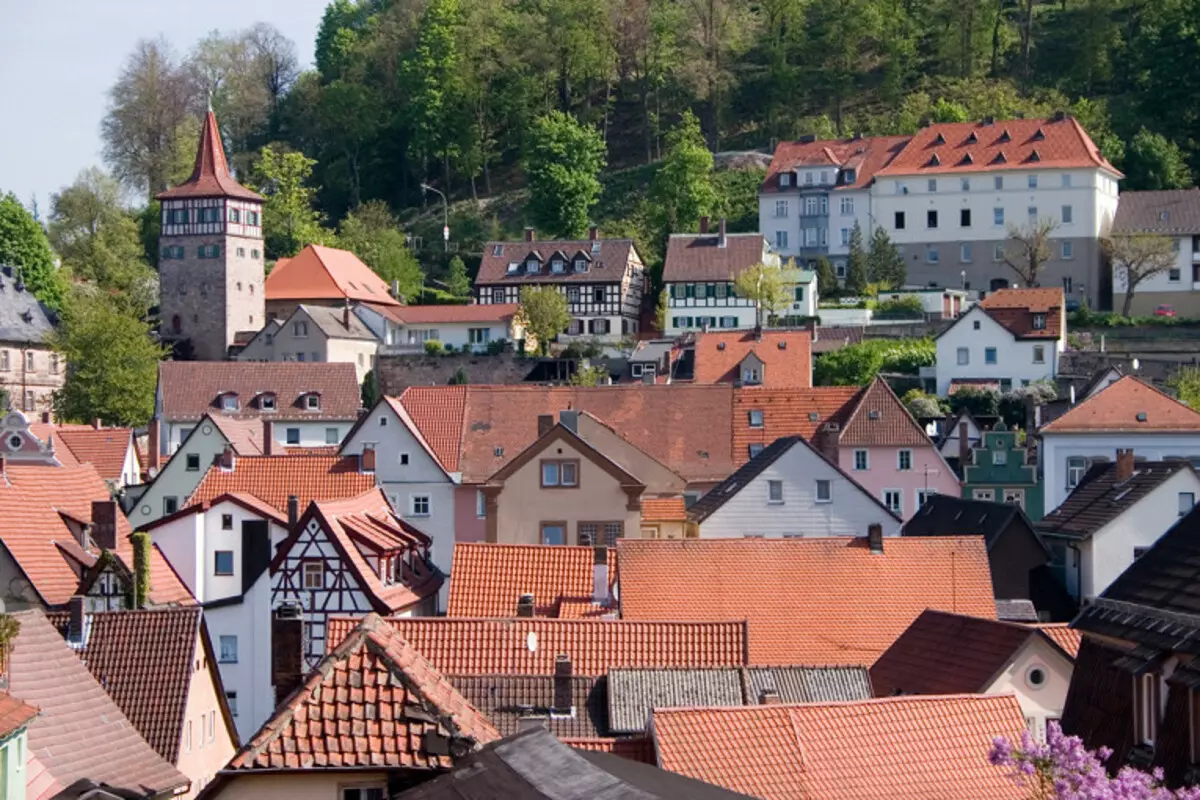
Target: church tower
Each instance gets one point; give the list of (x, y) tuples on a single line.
[(210, 268)]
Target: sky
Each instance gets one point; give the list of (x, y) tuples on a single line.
[(59, 58)]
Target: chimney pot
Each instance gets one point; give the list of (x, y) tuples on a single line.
[(562, 685), (1124, 464), (545, 423), (525, 605), (704, 224), (154, 445), (875, 538), (366, 461), (293, 511), (104, 524), (600, 575), (76, 621), (593, 233), (97, 423), (45, 417), (268, 434), (964, 445), (530, 235)]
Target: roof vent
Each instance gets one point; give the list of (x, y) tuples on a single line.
[(720, 345), (498, 452), (966, 159), (1000, 159), (939, 139), (874, 414), (933, 161), (813, 416), (783, 345), (1141, 416), (972, 138)]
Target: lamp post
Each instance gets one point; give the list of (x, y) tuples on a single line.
[(963, 274), (425, 187)]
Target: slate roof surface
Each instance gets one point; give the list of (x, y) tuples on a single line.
[(866, 156), (76, 714), (1116, 408), (14, 714), (191, 389), (867, 750), (272, 479), (1015, 310), (210, 176), (450, 313), (607, 265), (786, 412), (326, 273), (835, 337), (332, 322), (505, 699), (105, 448), (1100, 498), (943, 515), (699, 257), (22, 317), (813, 601), (1172, 212), (369, 703), (502, 646), (490, 578), (786, 357)]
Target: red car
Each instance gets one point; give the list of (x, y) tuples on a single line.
[(1164, 311)]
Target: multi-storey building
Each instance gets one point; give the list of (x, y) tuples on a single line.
[(949, 197), (1174, 214), (30, 370), (210, 267), (603, 280)]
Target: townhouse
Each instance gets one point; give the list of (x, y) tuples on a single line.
[(323, 276), (1174, 214), (30, 369), (1000, 470), (603, 280), (474, 328), (316, 333)]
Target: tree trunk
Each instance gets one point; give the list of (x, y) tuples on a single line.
[(1128, 304)]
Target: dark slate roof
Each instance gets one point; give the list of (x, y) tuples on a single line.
[(632, 693), (1174, 211), (1016, 610), (506, 699), (22, 317), (944, 515), (533, 765), (1100, 498)]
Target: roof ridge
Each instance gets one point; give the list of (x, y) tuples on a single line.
[(914, 699)]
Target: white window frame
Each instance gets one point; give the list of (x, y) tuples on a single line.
[(1077, 466), (898, 507), (781, 208), (866, 460), (983, 494), (230, 655), (416, 501), (964, 356), (307, 574), (775, 492), (827, 484), (480, 504), (1039, 354)]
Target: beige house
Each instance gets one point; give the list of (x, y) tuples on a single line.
[(316, 333), (579, 483), (30, 371)]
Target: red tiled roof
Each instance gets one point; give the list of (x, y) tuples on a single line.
[(245, 435), (786, 357), (372, 702), (210, 176), (272, 479), (80, 732), (686, 428), (934, 748), (790, 412), (14, 714), (416, 315), (1063, 635), (1016, 308), (948, 147), (191, 389), (1118, 406), (608, 265), (105, 449), (698, 257), (326, 273), (489, 578), (817, 601), (865, 156), (506, 647), (635, 748), (877, 418), (664, 509)]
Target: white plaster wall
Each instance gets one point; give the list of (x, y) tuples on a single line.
[(1037, 703), (1056, 448), (1162, 281), (1014, 357), (174, 479), (250, 677)]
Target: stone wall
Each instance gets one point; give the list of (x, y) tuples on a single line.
[(398, 372)]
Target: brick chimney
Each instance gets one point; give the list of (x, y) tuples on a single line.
[(75, 620), (97, 423), (366, 461), (104, 524), (346, 315), (293, 511), (562, 686), (268, 442), (704, 224), (600, 575), (525, 605), (721, 233), (593, 233), (154, 445), (875, 538), (287, 650), (1124, 464), (769, 697), (530, 235), (964, 445), (226, 459), (545, 423)]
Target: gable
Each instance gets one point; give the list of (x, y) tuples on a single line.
[(559, 444), (391, 440), (963, 332)]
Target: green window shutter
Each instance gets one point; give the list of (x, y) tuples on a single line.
[(710, 290), (799, 294), (200, 252), (691, 290)]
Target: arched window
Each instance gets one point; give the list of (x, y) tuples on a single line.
[(176, 324)]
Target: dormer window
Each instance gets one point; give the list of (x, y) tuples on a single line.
[(751, 375), (1039, 322), (229, 402), (266, 402), (848, 176), (581, 264), (1004, 137), (557, 266), (972, 138), (312, 402), (498, 250), (532, 265), (939, 139), (785, 179)]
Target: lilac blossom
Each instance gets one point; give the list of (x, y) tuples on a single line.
[(1061, 768)]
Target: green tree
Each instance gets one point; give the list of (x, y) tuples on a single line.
[(827, 282), (374, 235), (369, 392), (290, 221), (563, 160), (112, 364), (588, 376), (661, 311), (885, 265), (1137, 257), (1185, 383), (682, 190), (765, 284), (859, 364), (857, 268), (24, 246), (430, 76), (1154, 162), (920, 404), (458, 283), (543, 314)]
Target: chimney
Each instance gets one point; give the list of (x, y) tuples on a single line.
[(964, 445), (721, 233), (3, 464), (45, 417), (104, 524), (75, 622), (525, 605), (226, 459), (875, 538), (530, 235), (758, 333), (704, 224), (593, 233), (346, 315), (545, 423), (268, 442), (562, 686), (1124, 464), (396, 289), (769, 697), (569, 420), (287, 648), (154, 445), (366, 461), (97, 424), (293, 511), (600, 575)]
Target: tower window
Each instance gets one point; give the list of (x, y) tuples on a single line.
[(235, 215)]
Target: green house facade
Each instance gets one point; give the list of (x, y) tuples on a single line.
[(998, 471)]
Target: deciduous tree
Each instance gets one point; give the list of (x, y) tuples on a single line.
[(563, 160), (24, 246), (682, 190), (458, 283), (765, 284), (1154, 162), (374, 235), (544, 314), (290, 220), (1138, 257), (1029, 248)]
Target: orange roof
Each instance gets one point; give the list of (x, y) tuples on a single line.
[(816, 601), (865, 156), (966, 147), (877, 418), (438, 415), (790, 412), (326, 273), (529, 646), (1015, 309), (416, 315), (273, 479), (1063, 635), (635, 748), (245, 434), (15, 715), (489, 578), (664, 509), (786, 357), (210, 176), (935, 748), (103, 448), (1127, 405)]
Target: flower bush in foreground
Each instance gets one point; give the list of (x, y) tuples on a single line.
[(1061, 768)]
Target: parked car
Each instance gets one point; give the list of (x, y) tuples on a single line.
[(1164, 310)]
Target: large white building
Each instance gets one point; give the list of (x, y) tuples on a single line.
[(1176, 215), (948, 197)]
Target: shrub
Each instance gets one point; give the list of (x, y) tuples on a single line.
[(433, 347), (979, 402), (497, 346), (900, 306), (858, 364), (920, 404)]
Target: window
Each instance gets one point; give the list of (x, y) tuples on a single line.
[(966, 184), (989, 355), (1068, 249), (964, 356), (998, 253), (314, 574), (193, 462), (781, 240), (480, 504), (1015, 497), (572, 294), (845, 237), (1076, 466), (1145, 708), (560, 473), (860, 460), (1033, 181), (839, 269), (1066, 180), (1068, 215), (312, 402), (808, 178), (983, 494), (228, 649), (557, 266), (231, 701), (170, 505), (1173, 275), (532, 265), (292, 436), (479, 335), (229, 402), (300, 329), (931, 219), (418, 505), (364, 793), (964, 253), (923, 495), (554, 533), (1186, 501), (756, 418), (1039, 322), (899, 221), (754, 449), (894, 500), (750, 375), (785, 179), (931, 255), (227, 522), (235, 215), (998, 182), (999, 457), (223, 562), (1032, 212), (4, 365), (975, 324), (824, 491), (933, 184), (775, 491), (781, 208), (964, 217), (904, 460), (728, 322), (847, 206), (598, 294), (29, 364), (30, 400), (997, 216), (497, 295)]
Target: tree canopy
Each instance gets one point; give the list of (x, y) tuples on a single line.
[(544, 314), (24, 246), (562, 164)]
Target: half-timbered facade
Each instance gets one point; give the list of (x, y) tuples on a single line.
[(349, 558), (603, 280)]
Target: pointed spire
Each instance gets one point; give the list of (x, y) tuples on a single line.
[(210, 176)]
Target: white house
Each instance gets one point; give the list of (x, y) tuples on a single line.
[(1116, 513), (316, 333), (406, 329), (790, 490), (1013, 337), (1175, 214), (1128, 414)]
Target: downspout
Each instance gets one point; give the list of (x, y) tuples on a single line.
[(1078, 571)]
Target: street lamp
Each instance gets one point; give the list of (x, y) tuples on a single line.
[(963, 274), (425, 187)]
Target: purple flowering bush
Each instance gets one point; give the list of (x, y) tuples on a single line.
[(1061, 768)]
